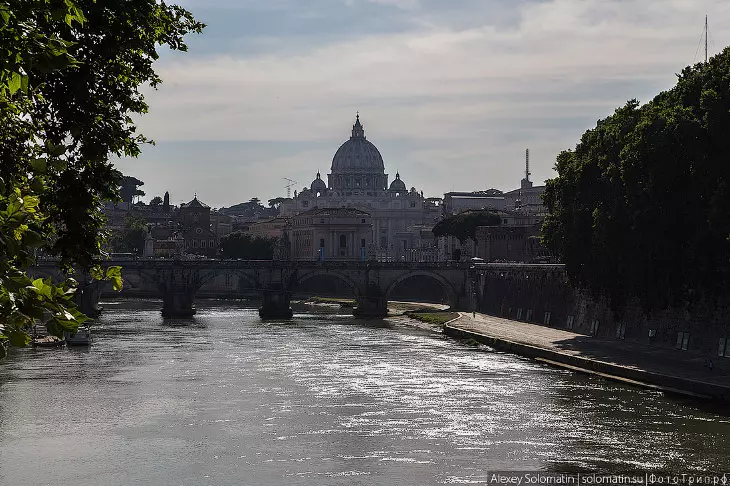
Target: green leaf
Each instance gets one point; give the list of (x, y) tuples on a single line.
[(18, 338), (114, 274), (54, 327), (4, 15), (15, 82), (96, 272), (43, 288), (39, 165)]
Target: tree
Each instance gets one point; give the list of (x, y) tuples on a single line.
[(69, 83), (166, 202), (276, 202), (248, 247), (641, 206), (132, 237), (156, 201), (464, 225)]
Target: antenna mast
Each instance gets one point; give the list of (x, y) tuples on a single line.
[(527, 164), (289, 186), (706, 32)]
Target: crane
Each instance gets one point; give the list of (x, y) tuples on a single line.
[(291, 184)]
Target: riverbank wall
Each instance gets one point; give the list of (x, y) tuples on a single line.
[(540, 294)]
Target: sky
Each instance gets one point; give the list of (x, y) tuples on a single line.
[(451, 92)]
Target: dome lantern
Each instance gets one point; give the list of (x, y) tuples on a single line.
[(357, 156)]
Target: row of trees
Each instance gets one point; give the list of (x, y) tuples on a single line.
[(641, 206), (69, 83), (464, 225), (248, 247)]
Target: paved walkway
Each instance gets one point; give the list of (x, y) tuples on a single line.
[(640, 357)]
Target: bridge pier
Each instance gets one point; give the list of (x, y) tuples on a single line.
[(276, 305), (371, 304), (87, 298), (178, 300)]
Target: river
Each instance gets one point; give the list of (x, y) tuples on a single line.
[(226, 399)]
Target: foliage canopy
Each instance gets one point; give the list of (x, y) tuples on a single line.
[(248, 247), (464, 225), (70, 73), (641, 206)]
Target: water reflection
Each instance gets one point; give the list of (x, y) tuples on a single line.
[(225, 398)]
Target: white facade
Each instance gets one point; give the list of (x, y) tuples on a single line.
[(330, 234)]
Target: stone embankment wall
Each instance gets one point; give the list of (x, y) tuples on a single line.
[(540, 294)]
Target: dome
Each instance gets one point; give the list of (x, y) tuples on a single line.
[(318, 184), (397, 184), (358, 155)]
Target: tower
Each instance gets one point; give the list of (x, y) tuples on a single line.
[(526, 183)]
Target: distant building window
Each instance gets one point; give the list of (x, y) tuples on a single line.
[(546, 318), (682, 340), (594, 326), (321, 221), (519, 313), (528, 317), (321, 242), (305, 203), (343, 241), (621, 330), (362, 243), (504, 221), (569, 322), (363, 221), (413, 204)]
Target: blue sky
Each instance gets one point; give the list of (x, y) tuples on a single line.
[(450, 91)]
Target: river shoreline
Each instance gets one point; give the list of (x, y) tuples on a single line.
[(653, 373)]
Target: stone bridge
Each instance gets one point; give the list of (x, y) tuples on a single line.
[(178, 282)]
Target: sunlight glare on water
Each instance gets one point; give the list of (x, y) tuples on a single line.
[(323, 400)]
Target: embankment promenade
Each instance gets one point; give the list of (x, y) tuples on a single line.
[(636, 364)]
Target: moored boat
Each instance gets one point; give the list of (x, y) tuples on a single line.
[(48, 342), (82, 337)]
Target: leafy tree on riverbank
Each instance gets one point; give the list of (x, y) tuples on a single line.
[(132, 237), (464, 225), (641, 206), (70, 73), (248, 247)]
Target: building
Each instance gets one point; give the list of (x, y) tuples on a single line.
[(357, 180), (194, 219), (330, 234), (271, 228), (457, 202)]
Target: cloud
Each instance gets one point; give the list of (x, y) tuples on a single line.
[(450, 89)]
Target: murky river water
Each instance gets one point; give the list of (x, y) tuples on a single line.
[(228, 400)]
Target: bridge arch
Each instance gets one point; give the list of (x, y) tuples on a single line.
[(209, 277), (302, 278), (449, 290)]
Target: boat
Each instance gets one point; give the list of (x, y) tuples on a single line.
[(82, 337), (48, 342)]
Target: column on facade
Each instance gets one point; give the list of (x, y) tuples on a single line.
[(389, 241)]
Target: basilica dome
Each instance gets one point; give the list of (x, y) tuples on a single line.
[(398, 185), (318, 184), (358, 155)]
